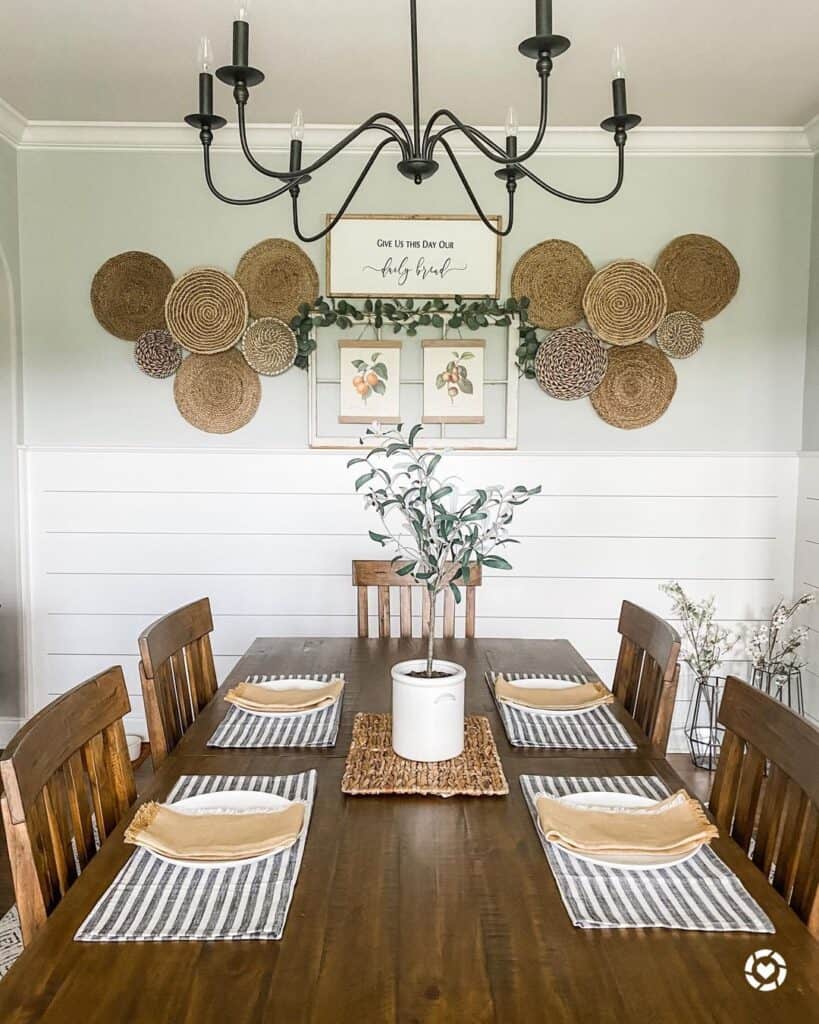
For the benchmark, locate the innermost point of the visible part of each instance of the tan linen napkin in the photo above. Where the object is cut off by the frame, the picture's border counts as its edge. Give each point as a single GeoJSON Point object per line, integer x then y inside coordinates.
{"type": "Point", "coordinates": [214, 836]}
{"type": "Point", "coordinates": [572, 698]}
{"type": "Point", "coordinates": [253, 697]}
{"type": "Point", "coordinates": [674, 825]}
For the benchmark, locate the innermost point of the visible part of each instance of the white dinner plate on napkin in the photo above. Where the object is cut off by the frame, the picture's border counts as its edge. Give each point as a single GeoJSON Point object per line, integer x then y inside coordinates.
{"type": "Point", "coordinates": [236, 801]}
{"type": "Point", "coordinates": [624, 861]}
{"type": "Point", "coordinates": [546, 683]}
{"type": "Point", "coordinates": [289, 684]}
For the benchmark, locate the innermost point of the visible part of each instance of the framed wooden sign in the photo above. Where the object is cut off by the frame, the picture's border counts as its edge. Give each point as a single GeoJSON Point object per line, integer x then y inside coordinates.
{"type": "Point", "coordinates": [391, 255]}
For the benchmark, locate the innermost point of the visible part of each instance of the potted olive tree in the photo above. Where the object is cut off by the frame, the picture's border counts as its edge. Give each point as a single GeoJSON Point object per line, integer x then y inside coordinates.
{"type": "Point", "coordinates": [437, 532]}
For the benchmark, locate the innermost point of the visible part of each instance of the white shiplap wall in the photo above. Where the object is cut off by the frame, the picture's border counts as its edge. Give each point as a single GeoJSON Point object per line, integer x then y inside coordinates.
{"type": "Point", "coordinates": [118, 537]}
{"type": "Point", "coordinates": [807, 571]}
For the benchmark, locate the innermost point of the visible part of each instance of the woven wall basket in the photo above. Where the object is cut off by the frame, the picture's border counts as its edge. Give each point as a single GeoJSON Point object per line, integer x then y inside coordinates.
{"type": "Point", "coordinates": [700, 275]}
{"type": "Point", "coordinates": [570, 363]}
{"type": "Point", "coordinates": [128, 294]}
{"type": "Point", "coordinates": [218, 394]}
{"type": "Point", "coordinates": [206, 310]}
{"type": "Point", "coordinates": [553, 275]}
{"type": "Point", "coordinates": [269, 346]}
{"type": "Point", "coordinates": [624, 302]}
{"type": "Point", "coordinates": [680, 335]}
{"type": "Point", "coordinates": [157, 354]}
{"type": "Point", "coordinates": [638, 387]}
{"type": "Point", "coordinates": [277, 276]}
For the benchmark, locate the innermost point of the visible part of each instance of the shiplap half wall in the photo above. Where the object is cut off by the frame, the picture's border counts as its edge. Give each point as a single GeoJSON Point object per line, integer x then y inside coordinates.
{"type": "Point", "coordinates": [118, 537]}
{"type": "Point", "coordinates": [807, 571]}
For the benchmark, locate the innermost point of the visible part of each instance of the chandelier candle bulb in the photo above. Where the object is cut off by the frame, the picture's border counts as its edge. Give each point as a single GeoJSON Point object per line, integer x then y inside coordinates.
{"type": "Point", "coordinates": [241, 41]}
{"type": "Point", "coordinates": [205, 93]}
{"type": "Point", "coordinates": [543, 17]}
{"type": "Point", "coordinates": [618, 88]}
{"type": "Point", "coordinates": [618, 62]}
{"type": "Point", "coordinates": [297, 126]}
{"type": "Point", "coordinates": [511, 132]}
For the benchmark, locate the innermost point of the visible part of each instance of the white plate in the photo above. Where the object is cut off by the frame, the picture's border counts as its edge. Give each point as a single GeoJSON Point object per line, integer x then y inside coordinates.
{"type": "Point", "coordinates": [546, 683]}
{"type": "Point", "coordinates": [288, 684]}
{"type": "Point", "coordinates": [626, 862]}
{"type": "Point", "coordinates": [231, 801]}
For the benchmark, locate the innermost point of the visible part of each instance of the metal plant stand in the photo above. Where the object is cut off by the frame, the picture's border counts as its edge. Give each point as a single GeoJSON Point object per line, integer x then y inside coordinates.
{"type": "Point", "coordinates": [785, 684]}
{"type": "Point", "coordinates": [702, 729]}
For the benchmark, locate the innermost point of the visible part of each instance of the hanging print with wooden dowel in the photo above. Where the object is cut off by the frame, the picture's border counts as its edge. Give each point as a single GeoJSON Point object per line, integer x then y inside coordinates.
{"type": "Point", "coordinates": [425, 257]}
{"type": "Point", "coordinates": [369, 381]}
{"type": "Point", "coordinates": [453, 381]}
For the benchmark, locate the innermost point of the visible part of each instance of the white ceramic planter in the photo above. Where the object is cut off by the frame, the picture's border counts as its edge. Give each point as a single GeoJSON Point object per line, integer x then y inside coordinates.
{"type": "Point", "coordinates": [427, 714]}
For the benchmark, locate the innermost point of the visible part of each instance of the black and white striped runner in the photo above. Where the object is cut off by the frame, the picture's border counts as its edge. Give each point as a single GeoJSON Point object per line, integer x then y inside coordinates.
{"type": "Point", "coordinates": [313, 729]}
{"type": "Point", "coordinates": [702, 894]}
{"type": "Point", "coordinates": [151, 901]}
{"type": "Point", "coordinates": [595, 730]}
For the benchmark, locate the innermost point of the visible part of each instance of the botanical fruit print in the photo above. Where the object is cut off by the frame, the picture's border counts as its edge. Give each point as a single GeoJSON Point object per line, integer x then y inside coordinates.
{"type": "Point", "coordinates": [370, 377]}
{"type": "Point", "coordinates": [455, 378]}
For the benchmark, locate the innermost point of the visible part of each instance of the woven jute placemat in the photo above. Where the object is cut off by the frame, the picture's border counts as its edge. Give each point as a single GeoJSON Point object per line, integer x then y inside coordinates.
{"type": "Point", "coordinates": [700, 275]}
{"type": "Point", "coordinates": [624, 302]}
{"type": "Point", "coordinates": [373, 768]}
{"type": "Point", "coordinates": [277, 276]}
{"type": "Point", "coordinates": [128, 294]}
{"type": "Point", "coordinates": [553, 275]}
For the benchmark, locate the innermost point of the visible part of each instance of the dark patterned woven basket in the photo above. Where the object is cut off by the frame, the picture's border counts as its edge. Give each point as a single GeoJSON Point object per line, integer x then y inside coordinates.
{"type": "Point", "coordinates": [570, 363]}
{"type": "Point", "coordinates": [157, 354]}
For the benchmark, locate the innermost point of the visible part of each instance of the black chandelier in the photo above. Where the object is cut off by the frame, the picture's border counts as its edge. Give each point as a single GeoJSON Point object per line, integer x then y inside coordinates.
{"type": "Point", "coordinates": [417, 150]}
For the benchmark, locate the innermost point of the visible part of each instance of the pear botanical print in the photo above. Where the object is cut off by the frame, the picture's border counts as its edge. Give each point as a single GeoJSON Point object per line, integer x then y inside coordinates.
{"type": "Point", "coordinates": [453, 381]}
{"type": "Point", "coordinates": [370, 377]}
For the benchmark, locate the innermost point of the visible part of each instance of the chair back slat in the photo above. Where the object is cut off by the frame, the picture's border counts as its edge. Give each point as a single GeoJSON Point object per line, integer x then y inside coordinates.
{"type": "Point", "coordinates": [774, 818]}
{"type": "Point", "coordinates": [65, 773]}
{"type": "Point", "coordinates": [383, 576]}
{"type": "Point", "coordinates": [177, 673]}
{"type": "Point", "coordinates": [647, 671]}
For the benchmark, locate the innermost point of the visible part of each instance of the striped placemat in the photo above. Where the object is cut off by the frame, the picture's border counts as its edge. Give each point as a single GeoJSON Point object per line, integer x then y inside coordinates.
{"type": "Point", "coordinates": [595, 730]}
{"type": "Point", "coordinates": [702, 894]}
{"type": "Point", "coordinates": [314, 729]}
{"type": "Point", "coordinates": [151, 901]}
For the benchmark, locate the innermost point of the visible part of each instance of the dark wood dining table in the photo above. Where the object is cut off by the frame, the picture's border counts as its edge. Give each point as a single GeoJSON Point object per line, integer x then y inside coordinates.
{"type": "Point", "coordinates": [411, 909]}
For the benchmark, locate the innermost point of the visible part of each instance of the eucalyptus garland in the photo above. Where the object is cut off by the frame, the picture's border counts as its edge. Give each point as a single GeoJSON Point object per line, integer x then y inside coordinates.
{"type": "Point", "coordinates": [409, 315]}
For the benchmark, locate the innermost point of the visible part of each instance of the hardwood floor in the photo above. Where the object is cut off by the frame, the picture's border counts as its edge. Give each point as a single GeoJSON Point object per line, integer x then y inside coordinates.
{"type": "Point", "coordinates": [697, 780]}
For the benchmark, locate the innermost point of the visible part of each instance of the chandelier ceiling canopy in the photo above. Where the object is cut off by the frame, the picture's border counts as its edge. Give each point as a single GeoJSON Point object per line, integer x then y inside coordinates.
{"type": "Point", "coordinates": [417, 145]}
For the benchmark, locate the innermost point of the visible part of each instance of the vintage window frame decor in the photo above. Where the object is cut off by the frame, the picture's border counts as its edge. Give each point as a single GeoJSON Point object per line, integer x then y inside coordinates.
{"type": "Point", "coordinates": [370, 289]}
{"type": "Point", "coordinates": [351, 344]}
{"type": "Point", "coordinates": [507, 442]}
{"type": "Point", "coordinates": [451, 345]}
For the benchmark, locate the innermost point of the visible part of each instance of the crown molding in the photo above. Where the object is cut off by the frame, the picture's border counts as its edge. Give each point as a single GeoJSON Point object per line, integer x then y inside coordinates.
{"type": "Point", "coordinates": [12, 124]}
{"type": "Point", "coordinates": [812, 134]}
{"type": "Point", "coordinates": [560, 141]}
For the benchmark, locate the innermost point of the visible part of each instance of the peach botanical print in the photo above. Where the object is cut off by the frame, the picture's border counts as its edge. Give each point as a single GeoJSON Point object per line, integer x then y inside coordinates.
{"type": "Point", "coordinates": [370, 377]}
{"type": "Point", "coordinates": [370, 381]}
{"type": "Point", "coordinates": [455, 377]}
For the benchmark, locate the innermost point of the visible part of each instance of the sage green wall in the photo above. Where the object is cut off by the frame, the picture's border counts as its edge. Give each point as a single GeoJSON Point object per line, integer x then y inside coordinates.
{"type": "Point", "coordinates": [810, 440]}
{"type": "Point", "coordinates": [10, 676]}
{"type": "Point", "coordinates": [743, 391]}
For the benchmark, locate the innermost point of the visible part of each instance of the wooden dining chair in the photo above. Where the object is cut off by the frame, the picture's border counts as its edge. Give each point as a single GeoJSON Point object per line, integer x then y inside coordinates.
{"type": "Point", "coordinates": [382, 575]}
{"type": "Point", "coordinates": [774, 817]}
{"type": "Point", "coordinates": [67, 781]}
{"type": "Point", "coordinates": [647, 672]}
{"type": "Point", "coordinates": [177, 674]}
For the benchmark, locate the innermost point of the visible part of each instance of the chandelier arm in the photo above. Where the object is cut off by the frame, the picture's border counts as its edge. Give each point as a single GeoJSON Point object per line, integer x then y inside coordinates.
{"type": "Point", "coordinates": [476, 136]}
{"type": "Point", "coordinates": [294, 192]}
{"type": "Point", "coordinates": [473, 199]}
{"type": "Point", "coordinates": [588, 200]}
{"type": "Point", "coordinates": [290, 176]}
{"type": "Point", "coordinates": [237, 202]}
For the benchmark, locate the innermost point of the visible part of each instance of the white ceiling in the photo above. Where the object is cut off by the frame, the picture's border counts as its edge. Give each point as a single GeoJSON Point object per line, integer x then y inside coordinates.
{"type": "Point", "coordinates": [691, 62]}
